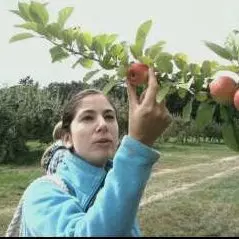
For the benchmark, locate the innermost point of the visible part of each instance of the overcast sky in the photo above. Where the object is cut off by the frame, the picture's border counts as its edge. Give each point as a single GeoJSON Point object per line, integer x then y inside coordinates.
{"type": "Point", "coordinates": [183, 24]}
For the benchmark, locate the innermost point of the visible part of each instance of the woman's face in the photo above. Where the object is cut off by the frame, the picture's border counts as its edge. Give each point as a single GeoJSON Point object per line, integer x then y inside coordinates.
{"type": "Point", "coordinates": [94, 130]}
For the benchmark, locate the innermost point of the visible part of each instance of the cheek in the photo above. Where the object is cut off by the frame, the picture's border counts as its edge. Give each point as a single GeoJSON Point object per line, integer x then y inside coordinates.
{"type": "Point", "coordinates": [115, 132]}
{"type": "Point", "coordinates": [81, 139]}
{"type": "Point", "coordinates": [80, 133]}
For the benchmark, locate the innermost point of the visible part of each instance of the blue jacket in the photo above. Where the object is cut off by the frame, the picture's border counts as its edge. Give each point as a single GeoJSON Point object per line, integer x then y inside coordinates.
{"type": "Point", "coordinates": [102, 201]}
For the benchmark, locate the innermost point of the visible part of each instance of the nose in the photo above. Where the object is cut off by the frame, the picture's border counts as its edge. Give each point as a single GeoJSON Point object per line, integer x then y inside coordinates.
{"type": "Point", "coordinates": [101, 125]}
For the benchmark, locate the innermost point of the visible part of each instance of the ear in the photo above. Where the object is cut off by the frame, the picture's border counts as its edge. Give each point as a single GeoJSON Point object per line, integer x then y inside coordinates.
{"type": "Point", "coordinates": [67, 140]}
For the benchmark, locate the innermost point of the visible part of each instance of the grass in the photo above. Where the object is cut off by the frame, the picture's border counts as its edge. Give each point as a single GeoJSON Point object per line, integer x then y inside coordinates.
{"type": "Point", "coordinates": [176, 155]}
{"type": "Point", "coordinates": [187, 175]}
{"type": "Point", "coordinates": [15, 178]}
{"type": "Point", "coordinates": [210, 208]}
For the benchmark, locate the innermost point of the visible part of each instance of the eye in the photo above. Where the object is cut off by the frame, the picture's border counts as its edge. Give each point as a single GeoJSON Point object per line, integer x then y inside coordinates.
{"type": "Point", "coordinates": [110, 117]}
{"type": "Point", "coordinates": [87, 118]}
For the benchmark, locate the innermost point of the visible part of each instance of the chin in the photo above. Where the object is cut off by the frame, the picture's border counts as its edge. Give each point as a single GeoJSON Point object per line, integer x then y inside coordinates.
{"type": "Point", "coordinates": [98, 162]}
{"type": "Point", "coordinates": [101, 158]}
{"type": "Point", "coordinates": [104, 154]}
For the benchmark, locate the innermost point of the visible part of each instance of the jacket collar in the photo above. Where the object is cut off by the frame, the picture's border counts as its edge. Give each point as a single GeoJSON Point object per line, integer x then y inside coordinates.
{"type": "Point", "coordinates": [82, 178]}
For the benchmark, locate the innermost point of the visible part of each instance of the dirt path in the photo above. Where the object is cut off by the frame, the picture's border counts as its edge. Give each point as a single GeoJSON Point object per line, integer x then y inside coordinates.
{"type": "Point", "coordinates": [164, 171]}
{"type": "Point", "coordinates": [186, 186]}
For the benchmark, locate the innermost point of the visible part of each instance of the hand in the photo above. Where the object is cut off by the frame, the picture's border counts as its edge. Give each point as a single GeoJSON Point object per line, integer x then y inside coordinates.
{"type": "Point", "coordinates": [147, 118]}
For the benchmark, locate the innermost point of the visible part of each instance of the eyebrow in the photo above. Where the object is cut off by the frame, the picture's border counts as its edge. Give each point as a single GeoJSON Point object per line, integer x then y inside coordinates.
{"type": "Point", "coordinates": [93, 111]}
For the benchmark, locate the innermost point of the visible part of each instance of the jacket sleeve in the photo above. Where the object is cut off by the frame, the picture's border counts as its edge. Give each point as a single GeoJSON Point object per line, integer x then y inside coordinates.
{"type": "Point", "coordinates": [48, 211]}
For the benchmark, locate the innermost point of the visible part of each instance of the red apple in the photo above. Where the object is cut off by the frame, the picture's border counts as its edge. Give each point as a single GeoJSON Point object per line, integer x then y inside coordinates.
{"type": "Point", "coordinates": [222, 89]}
{"type": "Point", "coordinates": [236, 99]}
{"type": "Point", "coordinates": [137, 73]}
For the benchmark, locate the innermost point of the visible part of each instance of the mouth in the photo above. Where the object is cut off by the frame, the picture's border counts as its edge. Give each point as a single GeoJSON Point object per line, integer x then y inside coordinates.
{"type": "Point", "coordinates": [103, 141]}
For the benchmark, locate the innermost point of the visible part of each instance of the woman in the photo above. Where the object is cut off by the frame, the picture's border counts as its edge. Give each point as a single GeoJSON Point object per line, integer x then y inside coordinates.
{"type": "Point", "coordinates": [104, 194]}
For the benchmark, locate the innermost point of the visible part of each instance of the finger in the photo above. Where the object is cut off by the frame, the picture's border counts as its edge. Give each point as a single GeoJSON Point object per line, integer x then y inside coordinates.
{"type": "Point", "coordinates": [162, 103]}
{"type": "Point", "coordinates": [163, 112]}
{"type": "Point", "coordinates": [152, 89]}
{"type": "Point", "coordinates": [141, 98]}
{"type": "Point", "coordinates": [162, 108]}
{"type": "Point", "coordinates": [132, 95]}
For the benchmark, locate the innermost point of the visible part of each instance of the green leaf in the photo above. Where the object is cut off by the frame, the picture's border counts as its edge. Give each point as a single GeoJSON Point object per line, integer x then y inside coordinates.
{"type": "Point", "coordinates": [36, 27]}
{"type": "Point", "coordinates": [76, 63]}
{"type": "Point", "coordinates": [107, 65]}
{"type": "Point", "coordinates": [187, 109]}
{"type": "Point", "coordinates": [68, 36]}
{"type": "Point", "coordinates": [29, 26]}
{"type": "Point", "coordinates": [162, 92]}
{"type": "Point", "coordinates": [201, 96]}
{"type": "Point", "coordinates": [116, 50]}
{"type": "Point", "coordinates": [107, 62]}
{"type": "Point", "coordinates": [120, 52]}
{"type": "Point", "coordinates": [225, 114]}
{"type": "Point", "coordinates": [63, 15]}
{"type": "Point", "coordinates": [220, 51]}
{"type": "Point", "coordinates": [122, 71]}
{"type": "Point", "coordinates": [181, 60]}
{"type": "Point", "coordinates": [142, 33]}
{"type": "Point", "coordinates": [86, 63]}
{"type": "Point", "coordinates": [20, 36]}
{"type": "Point", "coordinates": [99, 43]}
{"type": "Point", "coordinates": [206, 68]}
{"type": "Point", "coordinates": [85, 39]}
{"type": "Point", "coordinates": [194, 68]}
{"type": "Point", "coordinates": [124, 58]}
{"type": "Point", "coordinates": [199, 81]}
{"type": "Point", "coordinates": [163, 62]}
{"type": "Point", "coordinates": [155, 50]}
{"type": "Point", "coordinates": [136, 51]}
{"type": "Point", "coordinates": [24, 11]}
{"type": "Point", "coordinates": [229, 130]}
{"type": "Point", "coordinates": [204, 114]}
{"type": "Point", "coordinates": [89, 75]}
{"type": "Point", "coordinates": [165, 55]}
{"type": "Point", "coordinates": [233, 68]}
{"type": "Point", "coordinates": [38, 13]}
{"type": "Point", "coordinates": [232, 44]}
{"type": "Point", "coordinates": [229, 136]}
{"type": "Point", "coordinates": [182, 93]}
{"type": "Point", "coordinates": [186, 86]}
{"type": "Point", "coordinates": [58, 54]}
{"type": "Point", "coordinates": [109, 86]}
{"type": "Point", "coordinates": [146, 60]}
{"type": "Point", "coordinates": [54, 29]}
{"type": "Point", "coordinates": [110, 39]}
{"type": "Point", "coordinates": [17, 13]}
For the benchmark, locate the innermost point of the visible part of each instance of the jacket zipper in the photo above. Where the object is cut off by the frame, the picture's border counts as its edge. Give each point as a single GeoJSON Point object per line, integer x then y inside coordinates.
{"type": "Point", "coordinates": [94, 194]}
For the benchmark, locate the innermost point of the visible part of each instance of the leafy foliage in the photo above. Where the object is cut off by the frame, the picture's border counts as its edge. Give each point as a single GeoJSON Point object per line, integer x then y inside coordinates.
{"type": "Point", "coordinates": [26, 112]}
{"type": "Point", "coordinates": [176, 74]}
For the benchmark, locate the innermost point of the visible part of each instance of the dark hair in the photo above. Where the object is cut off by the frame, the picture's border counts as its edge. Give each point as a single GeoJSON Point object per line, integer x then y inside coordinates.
{"type": "Point", "coordinates": [73, 105]}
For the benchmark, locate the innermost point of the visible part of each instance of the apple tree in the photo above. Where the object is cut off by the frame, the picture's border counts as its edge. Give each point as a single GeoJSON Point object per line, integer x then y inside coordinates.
{"type": "Point", "coordinates": [26, 113]}
{"type": "Point", "coordinates": [104, 52]}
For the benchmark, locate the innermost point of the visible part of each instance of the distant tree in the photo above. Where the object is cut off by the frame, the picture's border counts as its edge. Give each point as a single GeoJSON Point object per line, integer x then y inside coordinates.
{"type": "Point", "coordinates": [26, 81]}
{"type": "Point", "coordinates": [26, 112]}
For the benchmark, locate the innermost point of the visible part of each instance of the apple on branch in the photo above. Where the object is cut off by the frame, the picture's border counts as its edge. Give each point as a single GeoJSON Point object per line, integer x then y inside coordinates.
{"type": "Point", "coordinates": [223, 87]}
{"type": "Point", "coordinates": [137, 74]}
